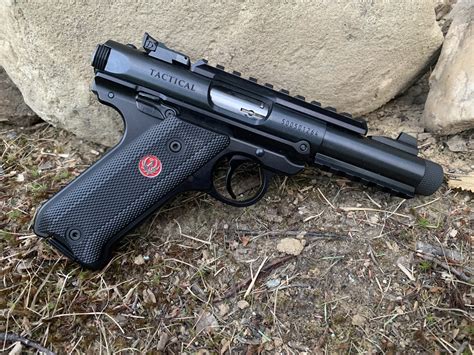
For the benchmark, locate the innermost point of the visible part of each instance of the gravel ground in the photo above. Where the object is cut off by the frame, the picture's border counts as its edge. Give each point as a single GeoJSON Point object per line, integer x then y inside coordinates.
{"type": "Point", "coordinates": [202, 277]}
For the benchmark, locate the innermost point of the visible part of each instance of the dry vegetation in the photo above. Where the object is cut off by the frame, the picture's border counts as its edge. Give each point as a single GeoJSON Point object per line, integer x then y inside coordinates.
{"type": "Point", "coordinates": [201, 277]}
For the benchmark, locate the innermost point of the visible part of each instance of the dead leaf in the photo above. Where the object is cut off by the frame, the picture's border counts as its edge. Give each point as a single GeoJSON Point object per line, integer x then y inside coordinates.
{"type": "Point", "coordinates": [223, 309]}
{"type": "Point", "coordinates": [163, 341]}
{"type": "Point", "coordinates": [149, 296]}
{"type": "Point", "coordinates": [392, 246]}
{"type": "Point", "coordinates": [24, 265]}
{"type": "Point", "coordinates": [245, 240]}
{"type": "Point", "coordinates": [242, 304]}
{"type": "Point", "coordinates": [207, 321]}
{"type": "Point", "coordinates": [225, 346]}
{"type": "Point", "coordinates": [139, 260]}
{"type": "Point", "coordinates": [463, 182]}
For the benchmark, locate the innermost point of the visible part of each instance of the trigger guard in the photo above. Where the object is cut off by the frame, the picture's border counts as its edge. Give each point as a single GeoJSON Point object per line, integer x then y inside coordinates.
{"type": "Point", "coordinates": [266, 177]}
{"type": "Point", "coordinates": [234, 163]}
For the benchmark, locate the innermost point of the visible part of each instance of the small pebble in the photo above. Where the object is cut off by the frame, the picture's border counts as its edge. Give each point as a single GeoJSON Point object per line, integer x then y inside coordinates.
{"type": "Point", "coordinates": [291, 246]}
{"type": "Point", "coordinates": [223, 309]}
{"type": "Point", "coordinates": [45, 166]}
{"type": "Point", "coordinates": [273, 283]}
{"type": "Point", "coordinates": [11, 135]}
{"type": "Point", "coordinates": [278, 342]}
{"type": "Point", "coordinates": [242, 304]}
{"type": "Point", "coordinates": [358, 320]}
{"type": "Point", "coordinates": [139, 260]}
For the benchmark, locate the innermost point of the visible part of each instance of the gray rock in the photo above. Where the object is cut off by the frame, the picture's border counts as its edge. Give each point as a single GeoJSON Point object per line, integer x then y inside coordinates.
{"type": "Point", "coordinates": [449, 107]}
{"type": "Point", "coordinates": [352, 55]}
{"type": "Point", "coordinates": [458, 144]}
{"type": "Point", "coordinates": [273, 283]}
{"type": "Point", "coordinates": [12, 105]}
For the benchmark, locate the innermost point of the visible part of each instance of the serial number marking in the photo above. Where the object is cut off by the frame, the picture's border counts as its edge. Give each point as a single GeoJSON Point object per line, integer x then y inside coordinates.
{"type": "Point", "coordinates": [299, 127]}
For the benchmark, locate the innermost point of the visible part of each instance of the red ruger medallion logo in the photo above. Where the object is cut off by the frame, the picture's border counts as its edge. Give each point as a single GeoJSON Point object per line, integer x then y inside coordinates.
{"type": "Point", "coordinates": [150, 166]}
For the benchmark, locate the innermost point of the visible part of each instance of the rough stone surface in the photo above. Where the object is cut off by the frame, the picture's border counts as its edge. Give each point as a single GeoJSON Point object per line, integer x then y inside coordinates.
{"type": "Point", "coordinates": [450, 104]}
{"type": "Point", "coordinates": [12, 106]}
{"type": "Point", "coordinates": [459, 144]}
{"type": "Point", "coordinates": [353, 55]}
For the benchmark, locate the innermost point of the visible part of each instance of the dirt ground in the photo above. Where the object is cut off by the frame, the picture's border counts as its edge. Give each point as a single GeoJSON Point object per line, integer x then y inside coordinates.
{"type": "Point", "coordinates": [186, 280]}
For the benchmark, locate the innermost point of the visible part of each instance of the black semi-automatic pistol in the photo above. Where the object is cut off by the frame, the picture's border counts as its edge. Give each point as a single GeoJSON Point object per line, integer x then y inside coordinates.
{"type": "Point", "coordinates": [183, 121]}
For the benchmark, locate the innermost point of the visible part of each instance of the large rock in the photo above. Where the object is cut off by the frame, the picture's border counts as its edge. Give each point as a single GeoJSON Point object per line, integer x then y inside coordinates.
{"type": "Point", "coordinates": [353, 55]}
{"type": "Point", "coordinates": [12, 106]}
{"type": "Point", "coordinates": [449, 107]}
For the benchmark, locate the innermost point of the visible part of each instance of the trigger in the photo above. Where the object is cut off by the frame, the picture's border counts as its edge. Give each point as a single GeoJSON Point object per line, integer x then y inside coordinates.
{"type": "Point", "coordinates": [234, 163]}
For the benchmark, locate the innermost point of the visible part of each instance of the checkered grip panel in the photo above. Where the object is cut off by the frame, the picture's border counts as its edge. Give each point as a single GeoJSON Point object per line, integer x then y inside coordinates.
{"type": "Point", "coordinates": [111, 195]}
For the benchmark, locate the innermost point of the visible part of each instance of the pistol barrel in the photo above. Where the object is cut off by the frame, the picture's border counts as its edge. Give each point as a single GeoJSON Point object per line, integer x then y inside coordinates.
{"type": "Point", "coordinates": [384, 164]}
{"type": "Point", "coordinates": [336, 142]}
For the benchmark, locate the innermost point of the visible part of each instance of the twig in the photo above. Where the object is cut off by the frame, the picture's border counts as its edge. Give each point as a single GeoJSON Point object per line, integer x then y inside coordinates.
{"type": "Point", "coordinates": [252, 283]}
{"type": "Point", "coordinates": [325, 199]}
{"type": "Point", "coordinates": [467, 314]}
{"type": "Point", "coordinates": [88, 314]}
{"type": "Point", "coordinates": [14, 338]}
{"type": "Point", "coordinates": [427, 203]}
{"type": "Point", "coordinates": [269, 267]}
{"type": "Point", "coordinates": [307, 219]}
{"type": "Point", "coordinates": [461, 275]}
{"type": "Point", "coordinates": [191, 237]}
{"type": "Point", "coordinates": [371, 200]}
{"type": "Point", "coordinates": [406, 272]}
{"type": "Point", "coordinates": [396, 208]}
{"type": "Point", "coordinates": [310, 234]}
{"type": "Point", "coordinates": [427, 248]}
{"type": "Point", "coordinates": [348, 209]}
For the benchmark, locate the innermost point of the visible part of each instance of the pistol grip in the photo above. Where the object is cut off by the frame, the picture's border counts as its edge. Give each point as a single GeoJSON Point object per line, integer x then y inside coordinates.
{"type": "Point", "coordinates": [139, 175]}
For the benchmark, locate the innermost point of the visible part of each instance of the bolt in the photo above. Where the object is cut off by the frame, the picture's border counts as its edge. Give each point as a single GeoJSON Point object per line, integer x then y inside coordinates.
{"type": "Point", "coordinates": [111, 95]}
{"type": "Point", "coordinates": [175, 146]}
{"type": "Point", "coordinates": [259, 152]}
{"type": "Point", "coordinates": [303, 147]}
{"type": "Point", "coordinates": [170, 114]}
{"type": "Point", "coordinates": [74, 234]}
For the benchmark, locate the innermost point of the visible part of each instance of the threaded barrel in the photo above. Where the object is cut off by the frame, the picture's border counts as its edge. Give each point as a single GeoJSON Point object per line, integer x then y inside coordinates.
{"type": "Point", "coordinates": [100, 56]}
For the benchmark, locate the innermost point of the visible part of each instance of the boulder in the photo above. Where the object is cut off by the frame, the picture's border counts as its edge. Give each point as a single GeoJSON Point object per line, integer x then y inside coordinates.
{"type": "Point", "coordinates": [353, 55]}
{"type": "Point", "coordinates": [449, 107]}
{"type": "Point", "coordinates": [12, 106]}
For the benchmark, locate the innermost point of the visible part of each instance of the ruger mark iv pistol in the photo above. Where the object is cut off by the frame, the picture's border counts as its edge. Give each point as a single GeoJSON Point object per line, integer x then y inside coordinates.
{"type": "Point", "coordinates": [182, 120]}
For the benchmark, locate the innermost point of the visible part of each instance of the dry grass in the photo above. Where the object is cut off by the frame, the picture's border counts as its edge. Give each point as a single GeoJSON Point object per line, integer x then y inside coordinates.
{"type": "Point", "coordinates": [176, 282]}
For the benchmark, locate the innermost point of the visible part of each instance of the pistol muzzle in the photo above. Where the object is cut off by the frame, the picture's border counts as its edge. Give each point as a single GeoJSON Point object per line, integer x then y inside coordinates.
{"type": "Point", "coordinates": [432, 179]}
{"type": "Point", "coordinates": [100, 57]}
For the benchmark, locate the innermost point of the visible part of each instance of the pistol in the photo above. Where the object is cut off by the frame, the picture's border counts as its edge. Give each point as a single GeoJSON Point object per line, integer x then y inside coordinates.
{"type": "Point", "coordinates": [185, 123]}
